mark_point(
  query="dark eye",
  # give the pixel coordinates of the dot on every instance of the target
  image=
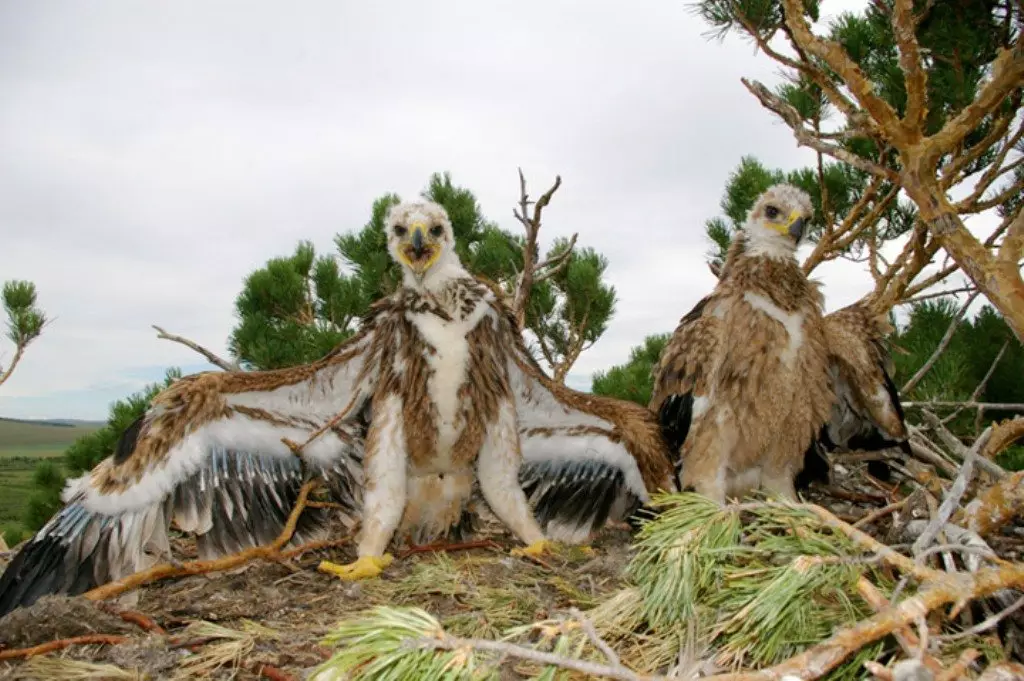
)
(436, 231)
(400, 231)
(771, 212)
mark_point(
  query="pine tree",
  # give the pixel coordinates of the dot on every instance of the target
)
(633, 380)
(25, 321)
(295, 309)
(918, 96)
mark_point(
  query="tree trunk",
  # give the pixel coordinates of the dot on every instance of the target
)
(998, 279)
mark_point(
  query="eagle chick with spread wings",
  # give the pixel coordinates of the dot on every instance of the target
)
(439, 396)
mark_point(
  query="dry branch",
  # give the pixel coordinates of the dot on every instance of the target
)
(534, 271)
(270, 551)
(51, 646)
(210, 356)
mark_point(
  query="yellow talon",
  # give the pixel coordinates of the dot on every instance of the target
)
(535, 549)
(366, 567)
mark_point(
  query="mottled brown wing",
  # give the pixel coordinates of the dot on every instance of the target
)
(586, 459)
(683, 371)
(208, 456)
(867, 414)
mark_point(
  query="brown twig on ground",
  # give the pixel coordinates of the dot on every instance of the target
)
(270, 551)
(880, 513)
(268, 671)
(144, 622)
(60, 644)
(463, 546)
(943, 344)
(315, 546)
(210, 356)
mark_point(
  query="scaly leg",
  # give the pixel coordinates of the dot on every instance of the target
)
(384, 464)
(498, 472)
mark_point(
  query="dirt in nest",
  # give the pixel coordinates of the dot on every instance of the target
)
(479, 592)
(55, 617)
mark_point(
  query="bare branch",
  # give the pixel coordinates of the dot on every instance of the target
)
(943, 344)
(556, 263)
(806, 138)
(531, 223)
(987, 406)
(211, 357)
(937, 294)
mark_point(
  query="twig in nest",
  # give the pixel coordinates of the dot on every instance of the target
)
(271, 551)
(986, 624)
(144, 622)
(880, 513)
(958, 448)
(595, 639)
(956, 493)
(464, 546)
(271, 672)
(210, 356)
(60, 644)
(904, 636)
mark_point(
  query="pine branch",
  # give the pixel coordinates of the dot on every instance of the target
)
(937, 294)
(556, 263)
(210, 356)
(805, 138)
(943, 344)
(19, 352)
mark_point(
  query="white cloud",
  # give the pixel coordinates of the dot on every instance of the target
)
(151, 155)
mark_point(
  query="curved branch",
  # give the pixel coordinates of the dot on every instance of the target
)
(211, 357)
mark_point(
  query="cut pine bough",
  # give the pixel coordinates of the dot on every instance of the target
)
(771, 586)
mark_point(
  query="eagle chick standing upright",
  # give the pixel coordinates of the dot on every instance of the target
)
(742, 388)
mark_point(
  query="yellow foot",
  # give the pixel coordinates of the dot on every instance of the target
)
(535, 550)
(366, 567)
(585, 551)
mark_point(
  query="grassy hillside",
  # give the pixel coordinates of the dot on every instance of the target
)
(22, 445)
(40, 438)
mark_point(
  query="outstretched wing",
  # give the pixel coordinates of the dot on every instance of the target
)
(209, 457)
(587, 459)
(867, 414)
(681, 392)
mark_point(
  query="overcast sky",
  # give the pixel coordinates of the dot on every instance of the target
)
(152, 154)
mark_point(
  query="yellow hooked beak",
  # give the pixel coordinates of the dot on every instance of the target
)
(416, 252)
(792, 226)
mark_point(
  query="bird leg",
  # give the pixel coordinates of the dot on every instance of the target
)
(384, 465)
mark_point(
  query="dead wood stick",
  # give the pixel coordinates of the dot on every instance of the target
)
(210, 356)
(271, 672)
(60, 644)
(881, 513)
(464, 546)
(953, 497)
(270, 551)
(315, 546)
(144, 622)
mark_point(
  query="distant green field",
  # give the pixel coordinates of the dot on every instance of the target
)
(38, 439)
(22, 445)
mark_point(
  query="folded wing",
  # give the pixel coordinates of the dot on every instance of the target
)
(208, 457)
(867, 414)
(681, 378)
